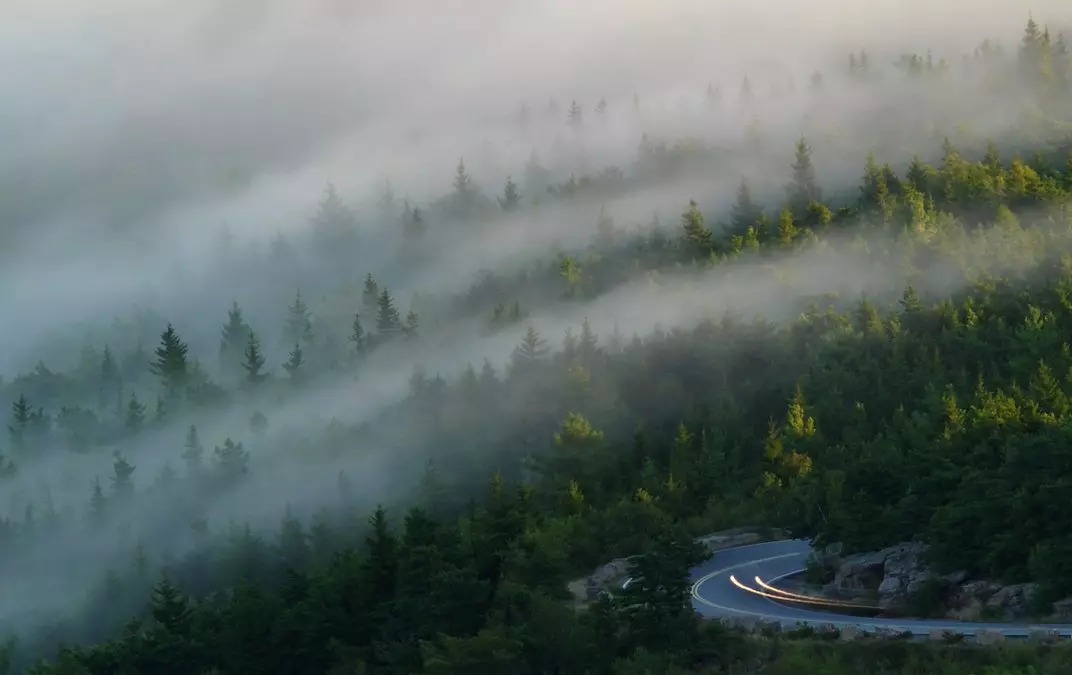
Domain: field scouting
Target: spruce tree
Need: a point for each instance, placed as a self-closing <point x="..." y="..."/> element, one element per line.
<point x="412" y="325"/>
<point x="388" y="322"/>
<point x="370" y="296"/>
<point x="803" y="188"/>
<point x="413" y="225"/>
<point x="21" y="421"/>
<point x="334" y="223"/>
<point x="528" y="355"/>
<point x="745" y="211"/>
<point x="171" y="361"/>
<point x="111" y="380"/>
<point x="575" y="116"/>
<point x="233" y="340"/>
<point x="696" y="236"/>
<point x="232" y="461"/>
<point x="135" y="417"/>
<point x="299" y="323"/>
<point x="97" y="502"/>
<point x="787" y="229"/>
<point x="193" y="452"/>
<point x="656" y="602"/>
<point x="381" y="560"/>
<point x="169" y="609"/>
<point x="294" y="362"/>
<point x="161" y="411"/>
<point x="358" y="339"/>
<point x="122" y="471"/>
<point x="254" y="360"/>
<point x="464" y="191"/>
<point x="511" y="199"/>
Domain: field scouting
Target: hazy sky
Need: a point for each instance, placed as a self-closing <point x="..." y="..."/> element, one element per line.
<point x="121" y="108"/>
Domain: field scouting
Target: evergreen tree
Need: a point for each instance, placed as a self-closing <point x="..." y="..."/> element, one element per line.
<point x="254" y="360"/>
<point x="299" y="323"/>
<point x="656" y="603"/>
<point x="97" y="502"/>
<point x="122" y="471"/>
<point x="511" y="199"/>
<point x="787" y="229"/>
<point x="917" y="175"/>
<point x="233" y="337"/>
<point x="529" y="354"/>
<point x="388" y="322"/>
<point x="169" y="609"/>
<point x="193" y="453"/>
<point x="135" y="418"/>
<point x="370" y="296"/>
<point x="464" y="197"/>
<point x="570" y="270"/>
<point x="358" y="339"/>
<point x="537" y="177"/>
<point x="412" y="324"/>
<point x="232" y="461"/>
<point x="161" y="412"/>
<point x="745" y="211"/>
<point x="171" y="361"/>
<point x="334" y="223"/>
<point x="381" y="561"/>
<point x="293" y="542"/>
<point x="21" y="422"/>
<point x="294" y="362"/>
<point x="803" y="189"/>
<point x="414" y="226"/>
<point x="696" y="237"/>
<point x="111" y="380"/>
<point x="574" y="116"/>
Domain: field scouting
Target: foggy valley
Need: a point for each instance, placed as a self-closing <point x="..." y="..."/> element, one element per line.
<point x="274" y="265"/>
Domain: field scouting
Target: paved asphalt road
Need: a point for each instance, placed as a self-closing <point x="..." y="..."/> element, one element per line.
<point x="714" y="595"/>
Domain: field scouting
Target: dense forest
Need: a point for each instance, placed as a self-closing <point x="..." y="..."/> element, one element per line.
<point x="861" y="361"/>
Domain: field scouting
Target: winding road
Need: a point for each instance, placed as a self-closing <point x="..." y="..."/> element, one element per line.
<point x="741" y="582"/>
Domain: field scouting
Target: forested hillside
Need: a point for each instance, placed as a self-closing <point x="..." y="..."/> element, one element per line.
<point x="374" y="472"/>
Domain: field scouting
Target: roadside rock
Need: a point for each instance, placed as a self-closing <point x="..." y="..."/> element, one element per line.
<point x="889" y="572"/>
<point x="898" y="572"/>
<point x="1013" y="601"/>
<point x="889" y="586"/>
<point x="602" y="576"/>
<point x="1062" y="609"/>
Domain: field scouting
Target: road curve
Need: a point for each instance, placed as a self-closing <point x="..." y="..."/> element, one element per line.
<point x="715" y="595"/>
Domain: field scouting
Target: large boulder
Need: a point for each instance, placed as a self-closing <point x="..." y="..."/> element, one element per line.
<point x="889" y="572"/>
<point x="1012" y="601"/>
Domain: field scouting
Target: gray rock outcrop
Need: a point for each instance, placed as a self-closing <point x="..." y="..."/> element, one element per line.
<point x="891" y="576"/>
